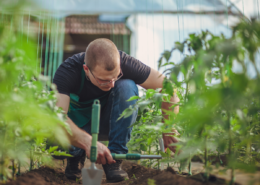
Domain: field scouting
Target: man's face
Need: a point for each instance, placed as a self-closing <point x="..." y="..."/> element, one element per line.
<point x="99" y="76"/>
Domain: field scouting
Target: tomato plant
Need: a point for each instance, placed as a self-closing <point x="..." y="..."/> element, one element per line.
<point x="28" y="112"/>
<point x="219" y="107"/>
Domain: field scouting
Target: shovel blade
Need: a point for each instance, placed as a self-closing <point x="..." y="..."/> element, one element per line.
<point x="91" y="176"/>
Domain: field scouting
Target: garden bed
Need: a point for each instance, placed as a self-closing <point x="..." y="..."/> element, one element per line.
<point x="137" y="175"/>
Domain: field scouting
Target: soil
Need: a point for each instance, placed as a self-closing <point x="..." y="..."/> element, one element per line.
<point x="138" y="175"/>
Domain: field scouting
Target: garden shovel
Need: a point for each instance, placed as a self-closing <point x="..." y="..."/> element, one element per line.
<point x="92" y="175"/>
<point x="161" y="143"/>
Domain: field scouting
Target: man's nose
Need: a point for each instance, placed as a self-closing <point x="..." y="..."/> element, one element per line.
<point x="112" y="84"/>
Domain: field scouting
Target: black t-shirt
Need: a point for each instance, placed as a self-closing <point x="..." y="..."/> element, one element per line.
<point x="68" y="75"/>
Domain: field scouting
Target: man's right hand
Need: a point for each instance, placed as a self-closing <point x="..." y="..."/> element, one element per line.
<point x="104" y="156"/>
<point x="82" y="139"/>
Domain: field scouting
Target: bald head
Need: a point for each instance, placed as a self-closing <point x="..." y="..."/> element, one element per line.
<point x="102" y="52"/>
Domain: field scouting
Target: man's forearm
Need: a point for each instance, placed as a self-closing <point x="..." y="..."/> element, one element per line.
<point x="78" y="138"/>
<point x="169" y="138"/>
<point x="166" y="106"/>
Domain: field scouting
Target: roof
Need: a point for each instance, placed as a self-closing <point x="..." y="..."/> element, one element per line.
<point x="90" y="24"/>
<point x="118" y="7"/>
<point x="75" y="24"/>
<point x="93" y="7"/>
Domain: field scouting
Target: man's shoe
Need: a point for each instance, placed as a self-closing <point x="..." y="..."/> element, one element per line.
<point x="72" y="170"/>
<point x="114" y="173"/>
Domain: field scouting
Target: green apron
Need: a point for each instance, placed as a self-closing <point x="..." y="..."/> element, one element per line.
<point x="80" y="112"/>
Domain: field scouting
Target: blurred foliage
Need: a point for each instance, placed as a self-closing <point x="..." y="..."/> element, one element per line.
<point x="28" y="112"/>
<point x="219" y="107"/>
<point x="143" y="138"/>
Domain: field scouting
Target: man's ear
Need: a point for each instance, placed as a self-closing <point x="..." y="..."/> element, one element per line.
<point x="85" y="67"/>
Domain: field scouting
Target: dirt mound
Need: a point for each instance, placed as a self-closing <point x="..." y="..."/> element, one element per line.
<point x="137" y="175"/>
<point x="140" y="175"/>
<point x="43" y="176"/>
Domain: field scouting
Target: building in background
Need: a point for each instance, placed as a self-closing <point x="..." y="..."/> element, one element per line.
<point x="60" y="38"/>
<point x="80" y="30"/>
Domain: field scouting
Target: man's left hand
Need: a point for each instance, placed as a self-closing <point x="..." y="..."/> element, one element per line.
<point x="168" y="139"/>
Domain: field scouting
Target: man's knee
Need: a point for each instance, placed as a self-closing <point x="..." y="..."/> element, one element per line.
<point x="126" y="88"/>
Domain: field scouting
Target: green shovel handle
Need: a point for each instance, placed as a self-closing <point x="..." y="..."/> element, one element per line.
<point x="94" y="129"/>
<point x="126" y="156"/>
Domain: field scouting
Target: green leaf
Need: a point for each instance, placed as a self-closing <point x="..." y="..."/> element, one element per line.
<point x="179" y="46"/>
<point x="142" y="105"/>
<point x="167" y="85"/>
<point x="167" y="54"/>
<point x="149" y="141"/>
<point x="163" y="154"/>
<point x="150" y="93"/>
<point x="160" y="62"/>
<point x="143" y="147"/>
<point x="157" y="98"/>
<point x="133" y="98"/>
<point x="52" y="149"/>
<point x="126" y="113"/>
<point x="59" y="153"/>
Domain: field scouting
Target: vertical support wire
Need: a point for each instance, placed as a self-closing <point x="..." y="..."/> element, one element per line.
<point x="177" y="4"/>
<point x="153" y="43"/>
<point x="2" y="17"/>
<point x="11" y="25"/>
<point x="243" y="7"/>
<point x="163" y="27"/>
<point x="183" y="2"/>
<point x="61" y="41"/>
<point x="43" y="31"/>
<point x="200" y="16"/>
<point x="55" y="48"/>
<point x="179" y="30"/>
<point x="148" y="61"/>
<point x="47" y="45"/>
<point x="163" y="35"/>
<point x="214" y="18"/>
<point x="22" y="28"/>
<point x="136" y="34"/>
<point x="257" y="9"/>
<point x="113" y="36"/>
<point x="39" y="28"/>
<point x="125" y="41"/>
<point x="227" y="12"/>
<point x="51" y="41"/>
<point x="28" y="30"/>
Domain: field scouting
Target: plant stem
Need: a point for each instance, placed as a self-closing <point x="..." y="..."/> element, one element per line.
<point x="13" y="168"/>
<point x="221" y="162"/>
<point x="2" y="169"/>
<point x="19" y="168"/>
<point x="206" y="160"/>
<point x="158" y="164"/>
<point x="190" y="173"/>
<point x="150" y="161"/>
<point x="257" y="72"/>
<point x="230" y="149"/>
<point x="31" y="161"/>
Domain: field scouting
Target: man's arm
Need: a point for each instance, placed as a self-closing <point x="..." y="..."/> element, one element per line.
<point x="82" y="139"/>
<point x="154" y="81"/>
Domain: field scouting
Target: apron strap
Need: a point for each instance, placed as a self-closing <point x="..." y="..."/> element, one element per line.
<point x="82" y="81"/>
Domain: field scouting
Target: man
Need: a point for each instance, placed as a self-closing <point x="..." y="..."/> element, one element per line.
<point x="103" y="73"/>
